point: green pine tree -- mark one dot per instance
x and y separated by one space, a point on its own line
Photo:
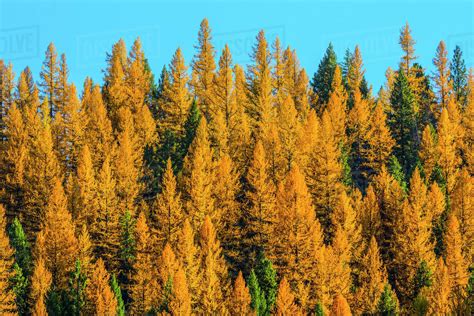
22 247
459 76
403 124
77 286
258 301
118 295
388 303
322 79
267 279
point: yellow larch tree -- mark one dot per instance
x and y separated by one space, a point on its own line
223 120
449 160
340 307
372 278
188 256
7 295
50 78
40 285
308 138
324 172
137 81
98 131
168 265
440 291
337 107
84 250
214 283
127 167
68 131
428 153
100 297
442 76
25 89
41 172
180 303
407 43
13 162
261 107
345 216
462 205
260 215
297 233
340 268
114 88
61 246
144 288
105 228
289 130
390 197
167 215
455 262
83 203
239 302
226 188
198 179
379 140
370 215
176 97
285 302
203 67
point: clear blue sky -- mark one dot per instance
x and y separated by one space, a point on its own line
86 30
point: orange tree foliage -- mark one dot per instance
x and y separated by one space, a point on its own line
263 173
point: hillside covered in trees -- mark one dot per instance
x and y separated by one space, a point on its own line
211 189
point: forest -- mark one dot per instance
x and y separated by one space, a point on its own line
214 189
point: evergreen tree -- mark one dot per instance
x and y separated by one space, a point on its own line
258 301
77 285
459 76
118 295
323 78
267 280
402 123
388 302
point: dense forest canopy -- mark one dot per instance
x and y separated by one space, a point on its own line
212 189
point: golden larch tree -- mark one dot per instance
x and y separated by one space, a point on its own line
407 44
226 188
41 172
455 262
214 286
13 162
448 157
82 201
98 131
428 153
144 288
40 285
462 206
188 256
180 303
297 234
285 302
167 215
203 67
372 279
379 140
168 265
7 295
440 291
324 172
340 307
176 97
100 297
61 243
239 302
198 179
260 211
105 230
337 107
442 76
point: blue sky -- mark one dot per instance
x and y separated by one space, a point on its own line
86 30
